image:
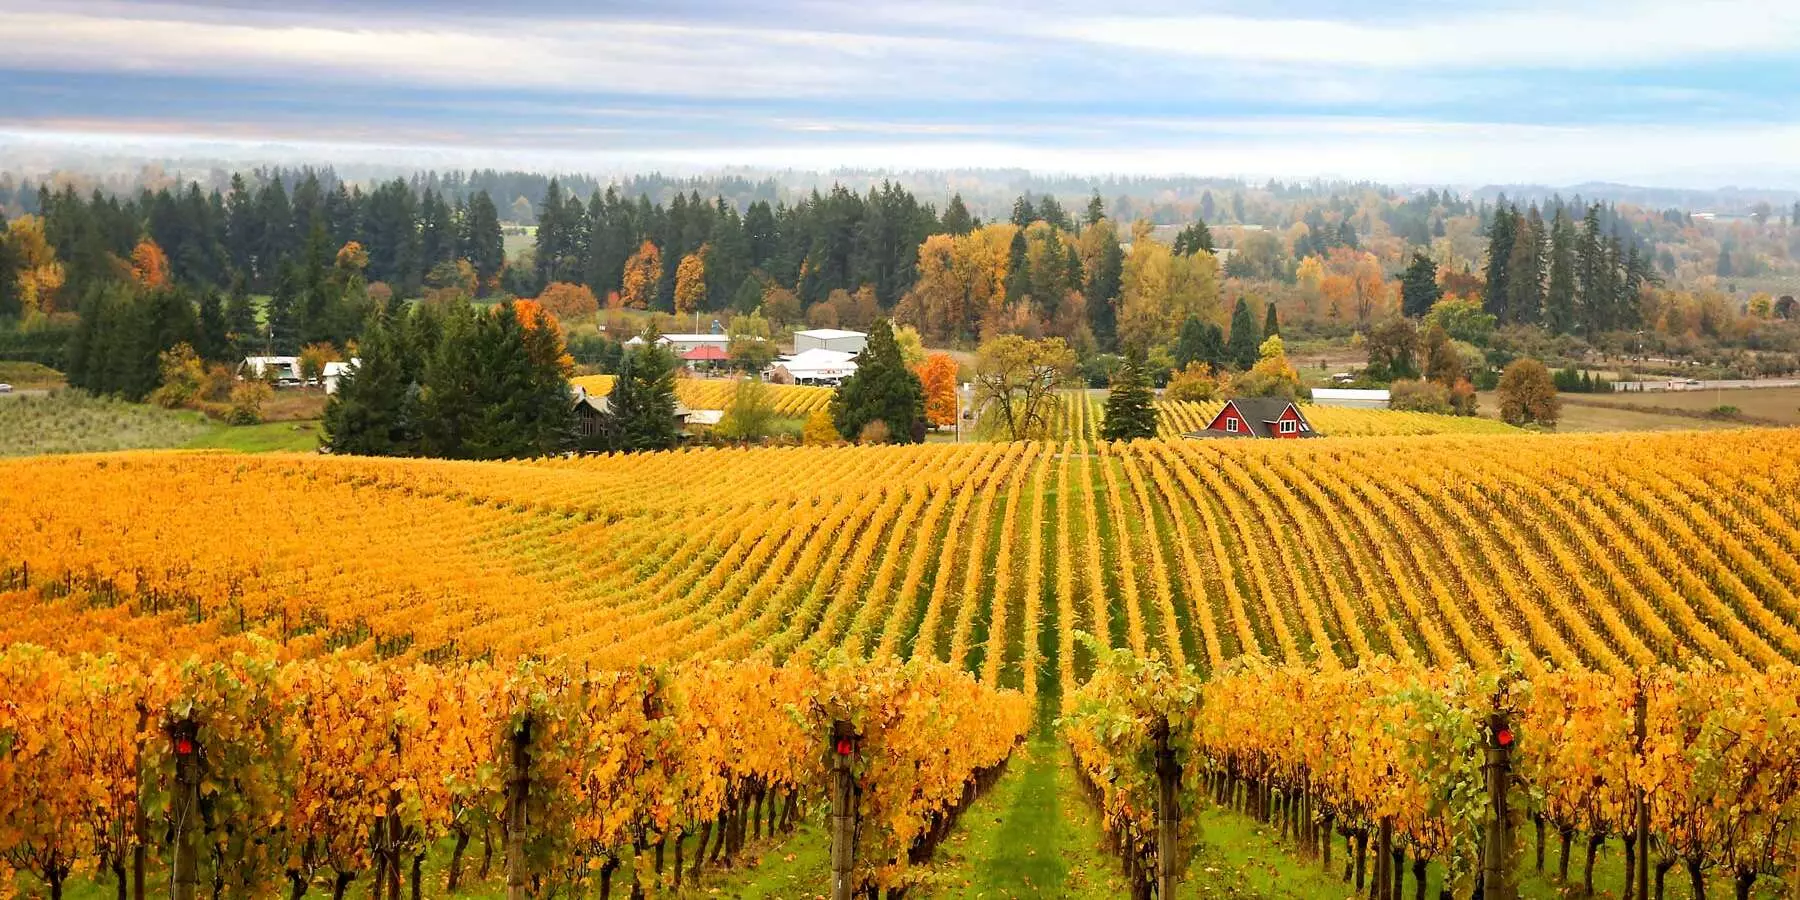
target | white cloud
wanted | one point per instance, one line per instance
(590, 55)
(1554, 35)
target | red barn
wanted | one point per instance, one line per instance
(1262, 417)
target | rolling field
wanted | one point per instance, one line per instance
(777, 586)
(1602, 551)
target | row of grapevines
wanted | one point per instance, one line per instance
(328, 770)
(1710, 758)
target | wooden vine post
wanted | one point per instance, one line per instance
(843, 810)
(185, 810)
(1497, 876)
(518, 795)
(1641, 712)
(1168, 812)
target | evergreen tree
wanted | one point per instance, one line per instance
(1724, 267)
(371, 412)
(1524, 301)
(882, 390)
(1051, 211)
(11, 305)
(214, 337)
(1419, 289)
(482, 243)
(1271, 322)
(1346, 235)
(1559, 296)
(1102, 290)
(552, 235)
(1593, 290)
(1096, 210)
(1193, 239)
(522, 395)
(1190, 343)
(1018, 275)
(1023, 213)
(1130, 415)
(442, 346)
(641, 408)
(1501, 236)
(240, 322)
(1244, 344)
(283, 335)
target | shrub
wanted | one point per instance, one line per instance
(182, 377)
(1410, 395)
(876, 432)
(1463, 399)
(819, 430)
(247, 400)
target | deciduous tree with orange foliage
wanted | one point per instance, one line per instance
(149, 264)
(642, 273)
(690, 281)
(568, 301)
(938, 375)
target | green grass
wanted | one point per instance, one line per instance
(269, 437)
(1032, 835)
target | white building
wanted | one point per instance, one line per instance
(334, 371)
(280, 368)
(1353, 399)
(830, 339)
(682, 343)
(817, 366)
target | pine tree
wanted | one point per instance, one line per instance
(283, 335)
(214, 338)
(1501, 236)
(1271, 322)
(1524, 291)
(1559, 296)
(1193, 239)
(240, 322)
(1419, 289)
(10, 303)
(1018, 274)
(482, 242)
(1103, 290)
(1023, 213)
(1724, 267)
(1130, 413)
(641, 408)
(1096, 209)
(882, 390)
(1190, 343)
(1245, 341)
(444, 347)
(370, 414)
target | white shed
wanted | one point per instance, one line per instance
(1347, 397)
(830, 339)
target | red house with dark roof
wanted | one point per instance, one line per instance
(1260, 417)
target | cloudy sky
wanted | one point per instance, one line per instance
(1697, 93)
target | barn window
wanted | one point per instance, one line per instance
(1288, 426)
(1231, 425)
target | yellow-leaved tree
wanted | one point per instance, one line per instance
(690, 281)
(643, 271)
(40, 275)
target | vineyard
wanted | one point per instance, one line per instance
(794, 400)
(1319, 591)
(1081, 415)
(1697, 769)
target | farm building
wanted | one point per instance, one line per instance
(705, 356)
(830, 339)
(682, 343)
(591, 409)
(1350, 399)
(813, 367)
(278, 368)
(335, 370)
(1259, 417)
